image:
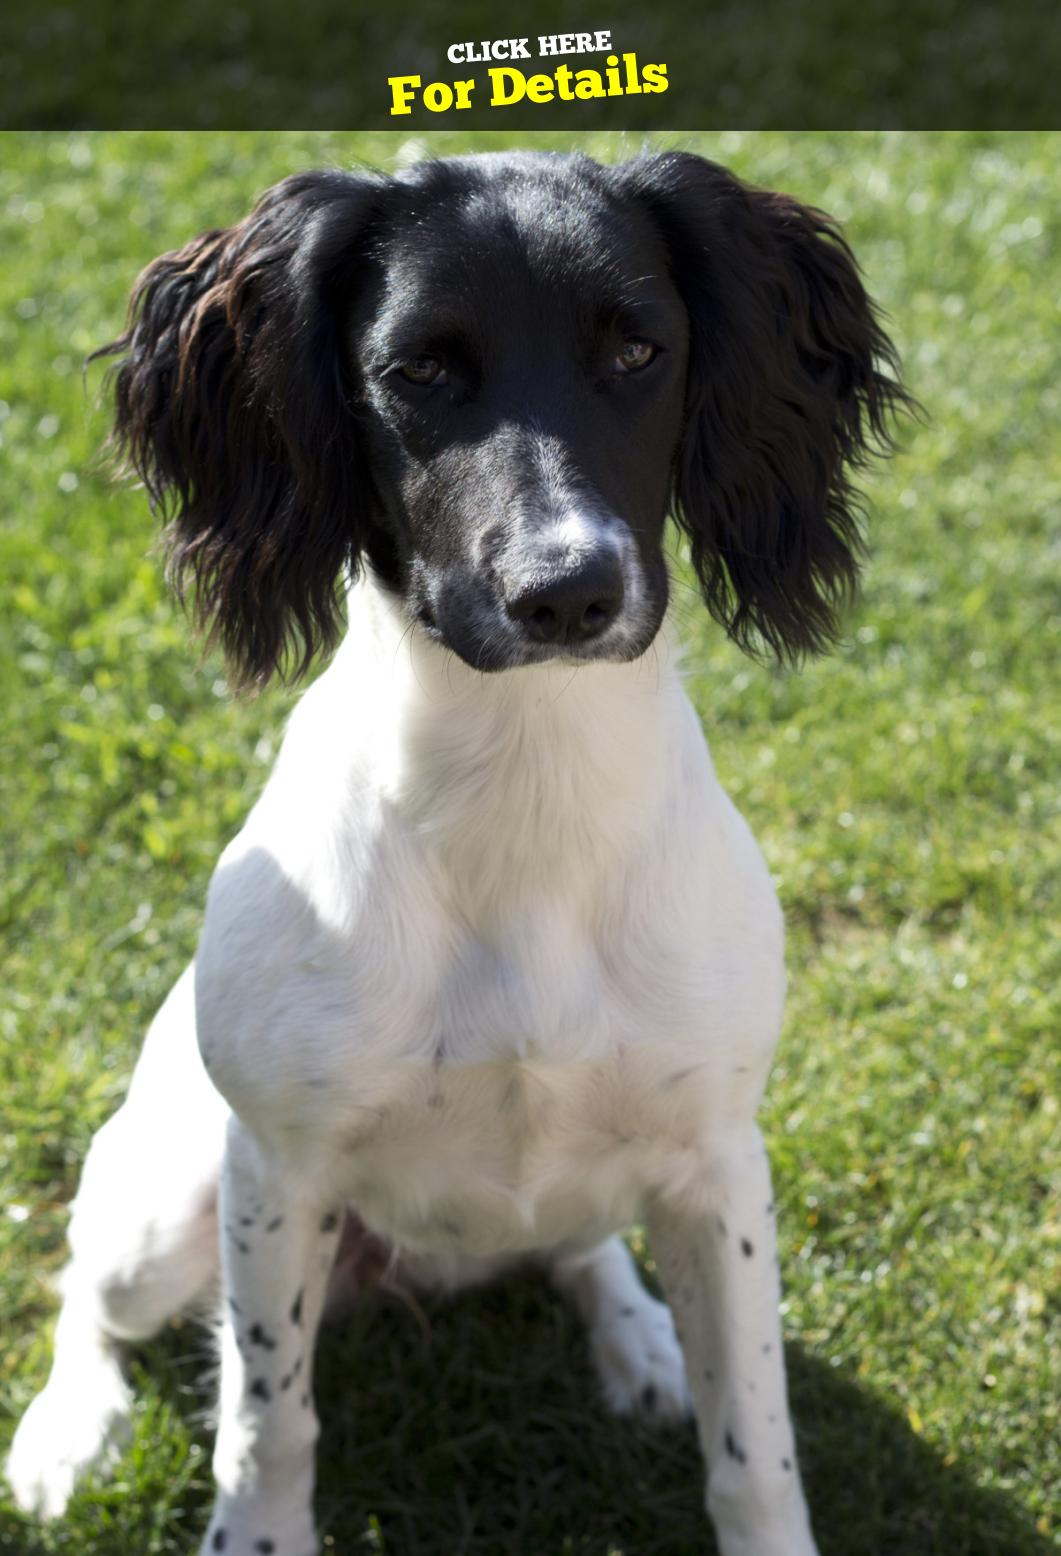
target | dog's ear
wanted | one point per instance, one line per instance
(234, 406)
(791, 384)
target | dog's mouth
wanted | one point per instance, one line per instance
(491, 652)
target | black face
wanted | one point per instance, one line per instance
(520, 354)
(491, 378)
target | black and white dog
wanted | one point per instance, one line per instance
(494, 968)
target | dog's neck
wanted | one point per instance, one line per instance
(533, 774)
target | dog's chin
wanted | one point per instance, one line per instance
(492, 654)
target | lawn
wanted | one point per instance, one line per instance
(905, 791)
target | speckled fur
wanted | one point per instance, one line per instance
(395, 1017)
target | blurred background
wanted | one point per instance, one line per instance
(905, 791)
(943, 64)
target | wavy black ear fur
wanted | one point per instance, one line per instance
(792, 383)
(234, 408)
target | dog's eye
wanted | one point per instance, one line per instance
(634, 355)
(423, 370)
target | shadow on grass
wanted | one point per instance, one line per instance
(475, 1430)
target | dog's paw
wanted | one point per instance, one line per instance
(639, 1360)
(247, 1526)
(65, 1432)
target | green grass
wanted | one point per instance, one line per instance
(905, 791)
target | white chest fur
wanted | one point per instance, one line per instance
(490, 951)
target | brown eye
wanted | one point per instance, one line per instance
(633, 355)
(423, 370)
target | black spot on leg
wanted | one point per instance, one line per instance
(734, 1449)
(246, 1220)
(297, 1368)
(329, 1222)
(767, 1348)
(266, 1547)
(258, 1336)
(275, 1224)
(626, 1312)
(709, 1376)
(305, 1401)
(218, 1542)
(786, 1464)
(746, 1248)
(648, 1397)
(296, 1307)
(235, 1307)
(260, 1389)
(285, 1382)
(770, 1208)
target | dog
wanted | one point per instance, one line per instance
(495, 969)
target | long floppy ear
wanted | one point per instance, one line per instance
(792, 383)
(233, 406)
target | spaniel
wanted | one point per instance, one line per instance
(494, 969)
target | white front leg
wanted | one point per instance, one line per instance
(716, 1252)
(278, 1243)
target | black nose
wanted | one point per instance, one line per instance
(570, 606)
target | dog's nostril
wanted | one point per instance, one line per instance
(543, 624)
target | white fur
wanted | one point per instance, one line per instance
(496, 963)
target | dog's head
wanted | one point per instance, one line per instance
(492, 379)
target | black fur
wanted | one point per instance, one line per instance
(792, 383)
(234, 408)
(257, 398)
